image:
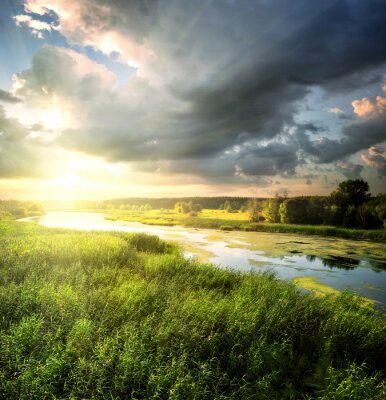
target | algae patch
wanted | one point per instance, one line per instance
(201, 254)
(311, 283)
(320, 289)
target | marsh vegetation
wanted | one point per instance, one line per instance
(117, 315)
(339, 263)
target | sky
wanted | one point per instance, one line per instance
(160, 98)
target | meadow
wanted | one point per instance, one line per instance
(224, 220)
(170, 217)
(124, 316)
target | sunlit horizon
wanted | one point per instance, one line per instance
(217, 99)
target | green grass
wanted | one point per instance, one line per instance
(220, 219)
(378, 235)
(88, 315)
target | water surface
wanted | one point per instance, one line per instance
(359, 266)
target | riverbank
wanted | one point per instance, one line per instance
(220, 219)
(113, 315)
(289, 255)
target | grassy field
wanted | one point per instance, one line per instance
(125, 316)
(221, 219)
(172, 217)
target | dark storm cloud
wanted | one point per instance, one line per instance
(7, 97)
(229, 81)
(349, 169)
(326, 47)
(272, 159)
(258, 94)
(355, 81)
(357, 136)
(246, 163)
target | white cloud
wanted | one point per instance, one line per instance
(36, 26)
(62, 72)
(99, 31)
(366, 108)
(68, 92)
(335, 110)
(61, 87)
(167, 42)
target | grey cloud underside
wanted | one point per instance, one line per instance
(377, 158)
(356, 136)
(243, 163)
(54, 72)
(6, 97)
(349, 169)
(236, 74)
(18, 156)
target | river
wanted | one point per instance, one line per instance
(359, 266)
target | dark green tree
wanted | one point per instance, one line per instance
(380, 208)
(294, 211)
(348, 197)
(351, 192)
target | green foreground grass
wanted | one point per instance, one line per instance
(221, 219)
(125, 316)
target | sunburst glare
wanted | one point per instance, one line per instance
(54, 119)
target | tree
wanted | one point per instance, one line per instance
(317, 210)
(228, 206)
(196, 207)
(380, 208)
(348, 197)
(270, 211)
(5, 215)
(294, 211)
(254, 208)
(185, 208)
(244, 207)
(35, 207)
(351, 192)
(333, 215)
(381, 212)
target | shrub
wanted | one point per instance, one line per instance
(148, 243)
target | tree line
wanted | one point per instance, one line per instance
(19, 209)
(350, 205)
(211, 203)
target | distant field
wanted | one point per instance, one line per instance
(221, 219)
(98, 315)
(171, 217)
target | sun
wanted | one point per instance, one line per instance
(68, 181)
(54, 119)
